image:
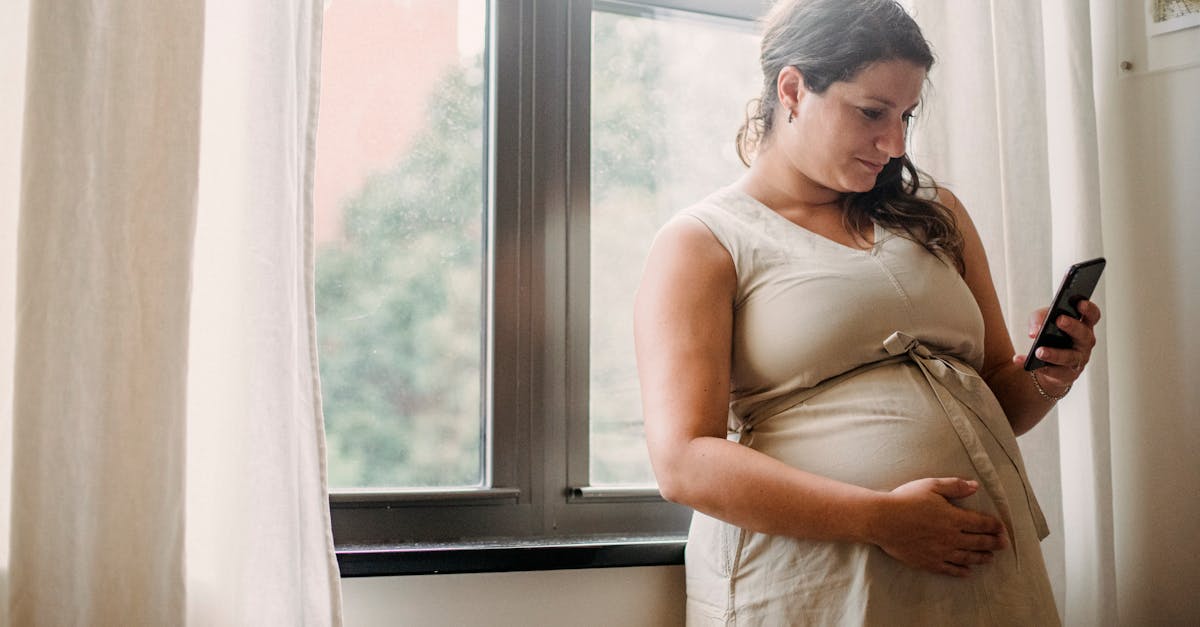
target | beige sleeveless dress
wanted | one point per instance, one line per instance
(860, 365)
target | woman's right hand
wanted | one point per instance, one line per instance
(921, 527)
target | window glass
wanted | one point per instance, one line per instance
(400, 234)
(668, 95)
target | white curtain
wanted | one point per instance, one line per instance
(1010, 126)
(167, 449)
(12, 103)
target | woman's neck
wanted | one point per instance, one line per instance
(778, 184)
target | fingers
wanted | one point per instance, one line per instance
(1066, 363)
(954, 570)
(1071, 361)
(926, 530)
(985, 542)
(970, 558)
(1036, 319)
(1083, 337)
(975, 550)
(981, 532)
(1090, 312)
(960, 562)
(1080, 331)
(954, 488)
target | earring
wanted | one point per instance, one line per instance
(791, 116)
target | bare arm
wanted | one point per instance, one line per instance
(683, 332)
(1003, 369)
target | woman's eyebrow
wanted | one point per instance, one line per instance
(890, 104)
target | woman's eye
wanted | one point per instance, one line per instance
(872, 114)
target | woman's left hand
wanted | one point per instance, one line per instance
(1064, 365)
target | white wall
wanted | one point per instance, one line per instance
(630, 597)
(1150, 165)
(1152, 236)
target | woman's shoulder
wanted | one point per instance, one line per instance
(687, 227)
(723, 204)
(928, 188)
(718, 214)
(734, 217)
(704, 232)
(932, 191)
(689, 251)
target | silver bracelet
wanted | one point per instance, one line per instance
(1038, 384)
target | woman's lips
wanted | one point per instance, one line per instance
(872, 166)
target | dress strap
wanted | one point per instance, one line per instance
(959, 390)
(762, 409)
(958, 387)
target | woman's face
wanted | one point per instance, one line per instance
(842, 138)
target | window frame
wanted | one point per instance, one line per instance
(541, 511)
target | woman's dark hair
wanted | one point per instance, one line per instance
(831, 41)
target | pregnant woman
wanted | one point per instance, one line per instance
(826, 374)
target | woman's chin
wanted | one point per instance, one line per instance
(858, 185)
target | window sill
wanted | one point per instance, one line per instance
(509, 556)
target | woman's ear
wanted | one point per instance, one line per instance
(789, 86)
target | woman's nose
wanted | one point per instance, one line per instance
(892, 141)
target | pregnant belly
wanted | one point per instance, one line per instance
(880, 429)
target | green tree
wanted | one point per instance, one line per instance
(398, 304)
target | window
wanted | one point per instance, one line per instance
(661, 129)
(489, 177)
(400, 203)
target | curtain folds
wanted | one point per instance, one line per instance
(13, 38)
(167, 443)
(1086, 459)
(1015, 138)
(256, 474)
(104, 247)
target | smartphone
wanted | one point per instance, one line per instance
(1078, 285)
